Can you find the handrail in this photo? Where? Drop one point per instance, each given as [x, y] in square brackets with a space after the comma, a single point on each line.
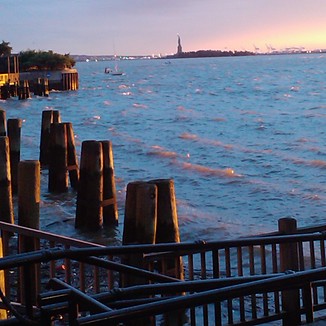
[277, 283]
[22, 230]
[246, 258]
[194, 247]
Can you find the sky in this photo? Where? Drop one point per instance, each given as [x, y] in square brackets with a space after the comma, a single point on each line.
[147, 27]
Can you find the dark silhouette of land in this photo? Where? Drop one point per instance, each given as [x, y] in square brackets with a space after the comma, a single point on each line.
[209, 53]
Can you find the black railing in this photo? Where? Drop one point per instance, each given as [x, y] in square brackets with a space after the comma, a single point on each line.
[224, 282]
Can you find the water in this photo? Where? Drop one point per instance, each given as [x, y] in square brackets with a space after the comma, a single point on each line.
[243, 138]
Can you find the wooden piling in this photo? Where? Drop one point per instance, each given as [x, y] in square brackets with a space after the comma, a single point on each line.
[29, 216]
[167, 216]
[29, 194]
[139, 224]
[110, 207]
[129, 226]
[56, 116]
[41, 87]
[23, 90]
[3, 123]
[14, 135]
[289, 262]
[3, 286]
[6, 204]
[146, 213]
[89, 211]
[72, 160]
[5, 91]
[167, 223]
[48, 117]
[58, 173]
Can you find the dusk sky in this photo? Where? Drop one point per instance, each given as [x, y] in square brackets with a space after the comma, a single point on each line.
[142, 27]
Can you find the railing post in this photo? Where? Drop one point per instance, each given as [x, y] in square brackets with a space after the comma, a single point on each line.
[308, 302]
[289, 262]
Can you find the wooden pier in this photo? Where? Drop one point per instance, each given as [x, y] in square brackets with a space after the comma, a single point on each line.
[15, 83]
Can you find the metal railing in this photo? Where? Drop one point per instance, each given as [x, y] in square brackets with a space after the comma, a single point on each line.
[230, 268]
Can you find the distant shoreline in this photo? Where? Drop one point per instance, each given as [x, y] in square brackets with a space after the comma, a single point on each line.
[189, 55]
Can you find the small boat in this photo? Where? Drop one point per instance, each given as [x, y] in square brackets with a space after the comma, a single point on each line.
[114, 72]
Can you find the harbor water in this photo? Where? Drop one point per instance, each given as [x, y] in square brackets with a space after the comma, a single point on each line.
[244, 139]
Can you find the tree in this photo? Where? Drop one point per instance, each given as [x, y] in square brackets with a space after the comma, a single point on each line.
[5, 49]
[44, 60]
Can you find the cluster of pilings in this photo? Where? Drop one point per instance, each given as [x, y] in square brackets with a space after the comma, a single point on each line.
[150, 210]
[58, 155]
[94, 180]
[22, 89]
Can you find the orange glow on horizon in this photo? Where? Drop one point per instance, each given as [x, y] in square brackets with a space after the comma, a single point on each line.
[280, 38]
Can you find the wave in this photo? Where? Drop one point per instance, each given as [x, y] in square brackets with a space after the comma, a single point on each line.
[227, 172]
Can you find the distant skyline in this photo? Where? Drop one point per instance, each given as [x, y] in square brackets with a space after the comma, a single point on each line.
[127, 27]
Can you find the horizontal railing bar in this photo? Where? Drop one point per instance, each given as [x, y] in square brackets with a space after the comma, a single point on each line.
[179, 249]
[109, 264]
[301, 230]
[46, 235]
[278, 283]
[182, 248]
[185, 286]
[92, 304]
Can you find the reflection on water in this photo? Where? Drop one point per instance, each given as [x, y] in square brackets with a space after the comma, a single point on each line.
[243, 138]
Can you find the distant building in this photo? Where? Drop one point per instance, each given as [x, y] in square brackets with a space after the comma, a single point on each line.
[179, 48]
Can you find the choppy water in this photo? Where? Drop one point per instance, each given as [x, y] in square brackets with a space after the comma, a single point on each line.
[243, 138]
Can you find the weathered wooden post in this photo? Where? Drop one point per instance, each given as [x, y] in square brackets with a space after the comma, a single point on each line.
[167, 216]
[56, 116]
[58, 173]
[110, 207]
[6, 204]
[48, 117]
[129, 235]
[289, 262]
[3, 312]
[45, 137]
[89, 211]
[29, 194]
[139, 224]
[45, 88]
[14, 133]
[167, 223]
[146, 213]
[72, 160]
[3, 123]
[29, 216]
[23, 90]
